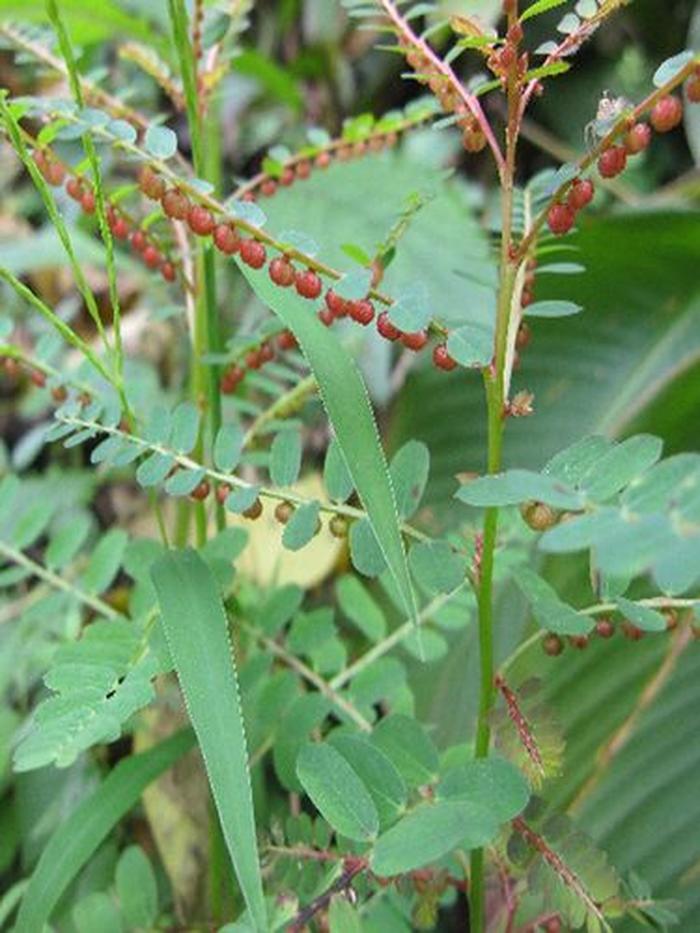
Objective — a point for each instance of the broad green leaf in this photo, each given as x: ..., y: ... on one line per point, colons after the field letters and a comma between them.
x: 299, y: 719
x: 492, y: 783
x: 384, y: 783
x: 641, y: 616
x: 436, y: 567
x: 184, y: 481
x: 242, y: 498
x: 409, y: 474
x: 359, y: 606
x: 285, y: 457
x: 471, y: 345
x: 428, y: 833
x: 623, y: 463
x: 337, y: 792
x: 196, y: 628
x: 160, y: 142
x: 301, y: 527
x: 343, y: 917
x: 407, y: 745
x: 538, y: 7
x: 97, y: 911
x: 185, y: 427
x: 367, y: 556
x: 518, y: 486
x: 278, y: 608
x: 136, y: 888
x: 550, y: 612
x: 572, y: 464
x: 154, y: 469
x: 227, y: 447
x: 337, y: 480
x: 345, y: 398
x: 79, y: 836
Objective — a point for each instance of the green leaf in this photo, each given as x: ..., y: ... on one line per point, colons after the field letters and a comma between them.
x: 299, y: 719
x: 337, y: 480
x: 552, y: 309
x: 160, y: 142
x: 301, y: 527
x: 227, y: 447
x: 185, y: 427
x: 406, y: 744
x: 641, y: 616
x: 430, y: 832
x: 492, y: 783
x: 539, y: 7
x: 623, y: 463
x: 153, y: 470
x: 337, y: 792
x: 668, y: 70
x: 516, y: 486
x: 242, y: 498
x: 105, y: 561
x: 436, y: 566
x: 79, y: 836
x: 345, y: 399
x: 285, y: 457
x: 359, y: 606
x: 66, y: 542
x: 184, y: 481
x: 374, y: 768
x: 471, y: 345
x: 366, y: 554
x: 136, y: 888
x: 97, y: 911
x: 409, y: 470
x: 196, y: 628
x: 343, y: 917
x: 549, y: 611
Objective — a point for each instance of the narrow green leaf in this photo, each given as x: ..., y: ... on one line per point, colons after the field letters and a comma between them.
x: 549, y: 611
x: 185, y: 427
x: 136, y: 888
x: 337, y: 792
x: 359, y: 606
x: 105, y: 561
x: 343, y: 917
x: 227, y: 447
x: 409, y: 470
x: 301, y: 527
x: 516, y: 486
x: 669, y: 69
x: 154, y: 469
x: 345, y: 398
x: 285, y: 457
x: 97, y: 911
x: 75, y: 841
x: 366, y: 554
x: 196, y: 628
x: 644, y: 618
x: 184, y: 481
x: 552, y: 309
x: 335, y: 474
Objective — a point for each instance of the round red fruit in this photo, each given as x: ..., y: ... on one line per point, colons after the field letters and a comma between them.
x: 667, y: 114
x: 287, y: 341
x: 167, y: 270
x: 442, y: 358
x: 55, y: 174
x: 415, y: 341
x: 303, y: 170
x: 253, y: 254
x: 337, y: 306
x: 323, y: 160
x: 581, y: 194
x: 151, y: 184
x: 200, y: 220
x: 560, y: 219
x: 268, y: 187
x: 138, y: 241
x: 75, y: 189
x: 176, y: 205
x: 308, y: 284
x: 120, y: 228
x: 282, y: 272
x: 231, y: 378
x: 266, y: 353
x: 87, y: 202
x: 386, y: 329
x: 226, y: 239
x: 287, y: 177
x: 253, y: 359
x: 552, y: 645
x: 638, y: 138
x: 612, y: 162
x: 152, y: 256
x: 362, y: 311
x: 325, y: 316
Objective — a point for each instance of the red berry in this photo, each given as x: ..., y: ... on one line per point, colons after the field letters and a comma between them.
x: 38, y: 378
x: 253, y: 511
x: 386, y: 329
x: 287, y: 341
x: 612, y: 162
x: 560, y: 219
x: 200, y: 220
x: 138, y: 241
x: 323, y: 160
x: 581, y: 194
x: 268, y: 187
x: 253, y: 254
x: 692, y: 89
x: 200, y: 492
x: 120, y: 228
x: 415, y: 341
x: 308, y: 284
x: 442, y: 358
x: 605, y: 627
x: 579, y: 641
x: 226, y: 239
x: 167, y: 270
x: 55, y: 174
x: 638, y: 138
x: 176, y: 205
x: 552, y: 645
x: 152, y: 256
x: 87, y: 202
x: 223, y: 491
x: 667, y: 114
x: 151, y: 184
x: 281, y: 272
x: 336, y: 305
x: 303, y: 170
x: 631, y: 631
x: 253, y: 359
x: 287, y: 177
x: 362, y: 311
x: 526, y: 298
x: 266, y: 353
x: 325, y: 316
x: 74, y: 188
x: 231, y: 378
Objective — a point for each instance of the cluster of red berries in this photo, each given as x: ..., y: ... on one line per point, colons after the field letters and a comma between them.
x: 553, y: 644
x: 14, y: 369
x: 665, y: 116
x: 255, y: 358
x: 82, y: 192
x: 299, y: 169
